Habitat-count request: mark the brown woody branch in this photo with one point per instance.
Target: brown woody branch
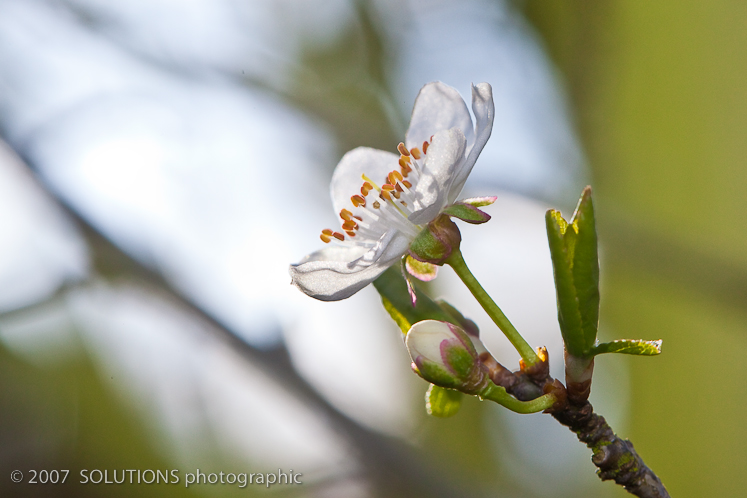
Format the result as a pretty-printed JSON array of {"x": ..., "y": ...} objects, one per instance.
[{"x": 615, "y": 458}]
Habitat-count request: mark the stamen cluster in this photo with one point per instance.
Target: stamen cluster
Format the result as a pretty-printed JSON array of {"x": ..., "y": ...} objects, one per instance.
[{"x": 395, "y": 202}]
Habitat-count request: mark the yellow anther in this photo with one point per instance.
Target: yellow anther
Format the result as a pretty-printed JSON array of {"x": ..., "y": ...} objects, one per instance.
[
  {"x": 371, "y": 183},
  {"x": 391, "y": 190},
  {"x": 404, "y": 168}
]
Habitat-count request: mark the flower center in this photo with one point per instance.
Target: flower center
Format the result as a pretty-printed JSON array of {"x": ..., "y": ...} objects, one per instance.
[{"x": 379, "y": 208}]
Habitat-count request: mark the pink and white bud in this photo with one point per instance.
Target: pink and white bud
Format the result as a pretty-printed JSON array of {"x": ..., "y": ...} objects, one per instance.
[{"x": 443, "y": 354}]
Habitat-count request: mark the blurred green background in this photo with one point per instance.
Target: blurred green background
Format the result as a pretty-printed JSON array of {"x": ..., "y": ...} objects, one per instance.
[
  {"x": 659, "y": 91},
  {"x": 658, "y": 94}
]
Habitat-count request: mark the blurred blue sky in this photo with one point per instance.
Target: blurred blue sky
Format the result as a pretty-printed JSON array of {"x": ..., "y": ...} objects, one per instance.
[{"x": 180, "y": 132}]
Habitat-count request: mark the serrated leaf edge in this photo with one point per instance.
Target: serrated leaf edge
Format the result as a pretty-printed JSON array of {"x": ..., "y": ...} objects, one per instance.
[{"x": 656, "y": 343}]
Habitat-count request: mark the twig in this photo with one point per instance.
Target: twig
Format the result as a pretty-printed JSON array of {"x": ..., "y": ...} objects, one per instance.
[{"x": 616, "y": 458}]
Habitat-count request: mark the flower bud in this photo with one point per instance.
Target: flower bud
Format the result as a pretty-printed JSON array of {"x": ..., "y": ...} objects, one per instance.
[{"x": 444, "y": 355}]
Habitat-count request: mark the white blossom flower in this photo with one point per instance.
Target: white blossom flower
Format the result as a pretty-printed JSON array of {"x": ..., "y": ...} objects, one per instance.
[{"x": 380, "y": 222}]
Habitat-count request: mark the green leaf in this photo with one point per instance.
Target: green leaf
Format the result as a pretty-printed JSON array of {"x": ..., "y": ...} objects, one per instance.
[
  {"x": 442, "y": 402},
  {"x": 451, "y": 310},
  {"x": 467, "y": 325},
  {"x": 396, "y": 299},
  {"x": 466, "y": 212},
  {"x": 585, "y": 268},
  {"x": 628, "y": 346},
  {"x": 400, "y": 319},
  {"x": 575, "y": 258},
  {"x": 569, "y": 316}
]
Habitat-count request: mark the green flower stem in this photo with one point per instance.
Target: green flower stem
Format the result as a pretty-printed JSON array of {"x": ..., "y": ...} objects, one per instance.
[
  {"x": 500, "y": 396},
  {"x": 456, "y": 261}
]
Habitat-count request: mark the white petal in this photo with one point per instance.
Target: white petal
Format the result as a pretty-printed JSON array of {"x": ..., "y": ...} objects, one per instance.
[
  {"x": 425, "y": 337},
  {"x": 336, "y": 273},
  {"x": 484, "y": 109},
  {"x": 347, "y": 181},
  {"x": 444, "y": 157},
  {"x": 534, "y": 148},
  {"x": 343, "y": 254},
  {"x": 438, "y": 107}
]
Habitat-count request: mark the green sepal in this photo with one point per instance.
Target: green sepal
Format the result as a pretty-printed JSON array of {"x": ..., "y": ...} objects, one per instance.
[
  {"x": 422, "y": 271},
  {"x": 428, "y": 248},
  {"x": 396, "y": 299},
  {"x": 436, "y": 374},
  {"x": 466, "y": 212},
  {"x": 479, "y": 201},
  {"x": 442, "y": 402},
  {"x": 460, "y": 360},
  {"x": 436, "y": 242},
  {"x": 573, "y": 248},
  {"x": 628, "y": 346}
]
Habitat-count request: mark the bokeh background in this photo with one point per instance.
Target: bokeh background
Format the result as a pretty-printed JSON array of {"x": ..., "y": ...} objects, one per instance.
[{"x": 163, "y": 162}]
